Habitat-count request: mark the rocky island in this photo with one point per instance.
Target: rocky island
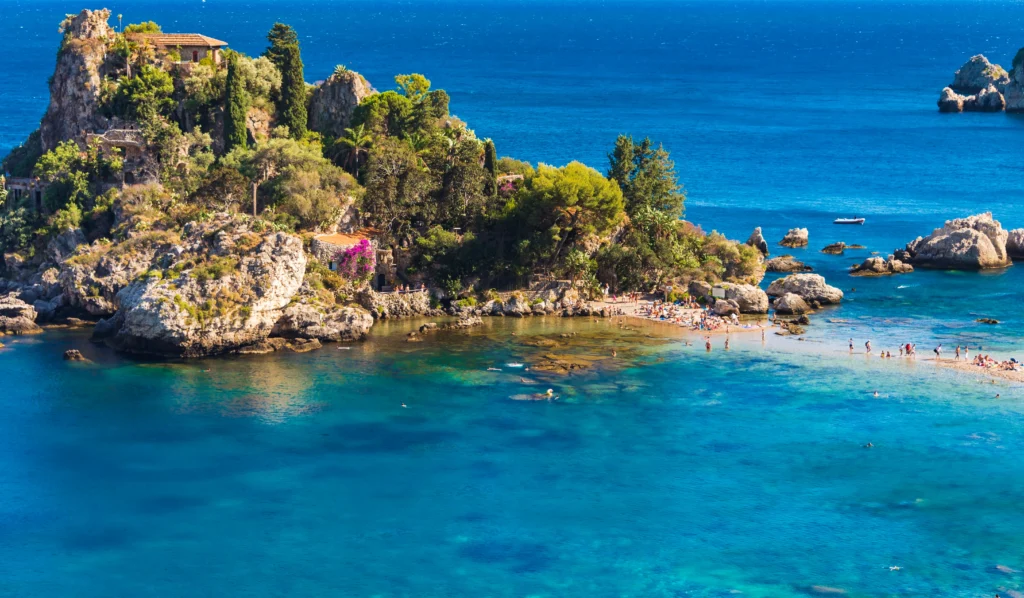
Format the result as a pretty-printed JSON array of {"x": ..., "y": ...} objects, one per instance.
[
  {"x": 188, "y": 200},
  {"x": 980, "y": 86}
]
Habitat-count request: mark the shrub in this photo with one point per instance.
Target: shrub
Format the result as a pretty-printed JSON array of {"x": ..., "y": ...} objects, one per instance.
[{"x": 357, "y": 263}]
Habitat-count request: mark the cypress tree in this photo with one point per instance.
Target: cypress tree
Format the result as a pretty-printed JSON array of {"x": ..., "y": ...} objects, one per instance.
[
  {"x": 491, "y": 166},
  {"x": 291, "y": 109},
  {"x": 280, "y": 36},
  {"x": 236, "y": 105}
]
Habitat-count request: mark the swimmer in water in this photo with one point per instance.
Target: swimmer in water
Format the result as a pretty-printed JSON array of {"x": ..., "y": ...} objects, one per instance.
[
  {"x": 876, "y": 393},
  {"x": 868, "y": 445},
  {"x": 726, "y": 343},
  {"x": 404, "y": 406},
  {"x": 615, "y": 353}
]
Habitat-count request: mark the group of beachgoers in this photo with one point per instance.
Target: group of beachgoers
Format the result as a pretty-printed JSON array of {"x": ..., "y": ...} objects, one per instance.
[
  {"x": 688, "y": 315},
  {"x": 960, "y": 353}
]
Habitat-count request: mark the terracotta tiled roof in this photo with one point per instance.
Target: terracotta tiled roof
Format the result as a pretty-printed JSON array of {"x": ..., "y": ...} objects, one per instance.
[
  {"x": 173, "y": 40},
  {"x": 344, "y": 240}
]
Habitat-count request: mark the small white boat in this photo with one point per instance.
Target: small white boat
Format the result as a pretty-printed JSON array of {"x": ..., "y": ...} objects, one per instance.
[
  {"x": 513, "y": 365},
  {"x": 848, "y": 221}
]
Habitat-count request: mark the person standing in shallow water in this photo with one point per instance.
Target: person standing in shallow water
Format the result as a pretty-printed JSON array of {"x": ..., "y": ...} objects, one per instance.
[
  {"x": 851, "y": 345},
  {"x": 867, "y": 346},
  {"x": 956, "y": 355},
  {"x": 707, "y": 343}
]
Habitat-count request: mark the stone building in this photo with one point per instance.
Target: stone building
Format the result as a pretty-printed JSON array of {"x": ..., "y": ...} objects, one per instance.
[
  {"x": 191, "y": 47},
  {"x": 325, "y": 247},
  {"x": 27, "y": 191}
]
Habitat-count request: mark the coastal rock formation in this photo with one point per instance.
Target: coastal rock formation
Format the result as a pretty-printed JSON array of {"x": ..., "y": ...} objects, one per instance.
[
  {"x": 332, "y": 103},
  {"x": 978, "y": 73},
  {"x": 835, "y": 248},
  {"x": 786, "y": 263},
  {"x": 16, "y": 316},
  {"x": 791, "y": 304},
  {"x": 1015, "y": 243},
  {"x": 1013, "y": 93},
  {"x": 76, "y": 84},
  {"x": 950, "y": 101},
  {"x": 796, "y": 237},
  {"x": 395, "y": 305},
  {"x": 309, "y": 321},
  {"x": 748, "y": 298},
  {"x": 93, "y": 276},
  {"x": 812, "y": 288},
  {"x": 726, "y": 307},
  {"x": 757, "y": 241},
  {"x": 231, "y": 299},
  {"x": 73, "y": 355},
  {"x": 876, "y": 266},
  {"x": 699, "y": 289},
  {"x": 973, "y": 243}
]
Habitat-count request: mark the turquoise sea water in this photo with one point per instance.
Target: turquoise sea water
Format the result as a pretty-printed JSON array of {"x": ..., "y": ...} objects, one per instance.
[
  {"x": 683, "y": 475},
  {"x": 680, "y": 474}
]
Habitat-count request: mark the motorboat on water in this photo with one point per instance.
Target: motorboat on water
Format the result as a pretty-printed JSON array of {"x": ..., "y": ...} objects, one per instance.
[{"x": 848, "y": 221}]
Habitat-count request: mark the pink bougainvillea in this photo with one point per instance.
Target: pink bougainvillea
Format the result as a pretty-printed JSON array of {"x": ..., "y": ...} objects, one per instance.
[{"x": 358, "y": 262}]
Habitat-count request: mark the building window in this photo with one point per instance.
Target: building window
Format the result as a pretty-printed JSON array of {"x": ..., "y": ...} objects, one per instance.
[{"x": 332, "y": 266}]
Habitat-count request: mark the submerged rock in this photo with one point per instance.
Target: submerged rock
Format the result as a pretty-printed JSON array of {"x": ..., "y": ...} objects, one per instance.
[
  {"x": 796, "y": 237},
  {"x": 973, "y": 243},
  {"x": 835, "y": 248},
  {"x": 73, "y": 355},
  {"x": 786, "y": 263},
  {"x": 812, "y": 288}
]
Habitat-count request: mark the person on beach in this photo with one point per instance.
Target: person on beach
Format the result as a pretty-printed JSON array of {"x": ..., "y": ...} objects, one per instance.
[
  {"x": 726, "y": 343},
  {"x": 851, "y": 345},
  {"x": 967, "y": 353},
  {"x": 956, "y": 355},
  {"x": 707, "y": 343},
  {"x": 867, "y": 345},
  {"x": 938, "y": 351},
  {"x": 901, "y": 350}
]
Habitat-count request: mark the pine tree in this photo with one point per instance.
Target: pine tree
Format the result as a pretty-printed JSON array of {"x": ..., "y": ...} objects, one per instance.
[
  {"x": 236, "y": 105},
  {"x": 291, "y": 108},
  {"x": 280, "y": 36},
  {"x": 491, "y": 165}
]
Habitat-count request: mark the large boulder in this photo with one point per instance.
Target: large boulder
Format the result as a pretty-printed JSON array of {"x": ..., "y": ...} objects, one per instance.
[
  {"x": 796, "y": 237},
  {"x": 219, "y": 298},
  {"x": 989, "y": 99},
  {"x": 725, "y": 307},
  {"x": 1015, "y": 243},
  {"x": 516, "y": 306},
  {"x": 748, "y": 298},
  {"x": 699, "y": 289},
  {"x": 395, "y": 305},
  {"x": 62, "y": 246},
  {"x": 332, "y": 102},
  {"x": 791, "y": 304},
  {"x": 756, "y": 240},
  {"x": 977, "y": 74},
  {"x": 876, "y": 266},
  {"x": 950, "y": 101},
  {"x": 973, "y": 243},
  {"x": 812, "y": 288},
  {"x": 327, "y": 324},
  {"x": 786, "y": 263},
  {"x": 16, "y": 316},
  {"x": 834, "y": 248}
]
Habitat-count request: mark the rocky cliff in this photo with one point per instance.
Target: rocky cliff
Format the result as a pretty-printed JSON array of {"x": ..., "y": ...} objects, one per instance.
[
  {"x": 82, "y": 63},
  {"x": 332, "y": 102}
]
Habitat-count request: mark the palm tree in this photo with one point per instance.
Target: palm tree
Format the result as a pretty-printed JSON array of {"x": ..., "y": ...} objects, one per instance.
[{"x": 355, "y": 145}]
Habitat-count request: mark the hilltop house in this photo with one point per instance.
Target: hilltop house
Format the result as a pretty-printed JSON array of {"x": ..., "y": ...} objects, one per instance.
[{"x": 190, "y": 47}]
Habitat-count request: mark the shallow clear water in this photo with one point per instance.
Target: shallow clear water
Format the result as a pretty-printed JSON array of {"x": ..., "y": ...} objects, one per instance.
[{"x": 682, "y": 473}]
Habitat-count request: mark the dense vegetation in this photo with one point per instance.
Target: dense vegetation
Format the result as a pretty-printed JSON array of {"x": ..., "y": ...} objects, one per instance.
[{"x": 456, "y": 215}]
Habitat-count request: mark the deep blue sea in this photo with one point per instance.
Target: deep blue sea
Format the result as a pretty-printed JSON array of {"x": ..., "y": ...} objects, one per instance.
[{"x": 686, "y": 475}]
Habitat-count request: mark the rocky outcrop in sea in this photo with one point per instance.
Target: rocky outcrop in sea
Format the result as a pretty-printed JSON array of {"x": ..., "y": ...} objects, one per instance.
[
  {"x": 786, "y": 263},
  {"x": 974, "y": 243},
  {"x": 981, "y": 86},
  {"x": 876, "y": 266},
  {"x": 812, "y": 288},
  {"x": 756, "y": 240},
  {"x": 796, "y": 237},
  {"x": 1015, "y": 244}
]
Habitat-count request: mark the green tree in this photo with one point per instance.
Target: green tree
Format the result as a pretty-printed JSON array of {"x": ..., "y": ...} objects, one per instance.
[
  {"x": 398, "y": 191},
  {"x": 414, "y": 86},
  {"x": 145, "y": 96},
  {"x": 73, "y": 176},
  {"x": 564, "y": 205},
  {"x": 143, "y": 27},
  {"x": 291, "y": 108},
  {"x": 236, "y": 106},
  {"x": 647, "y": 176},
  {"x": 280, "y": 36},
  {"x": 385, "y": 114},
  {"x": 491, "y": 165},
  {"x": 353, "y": 147}
]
